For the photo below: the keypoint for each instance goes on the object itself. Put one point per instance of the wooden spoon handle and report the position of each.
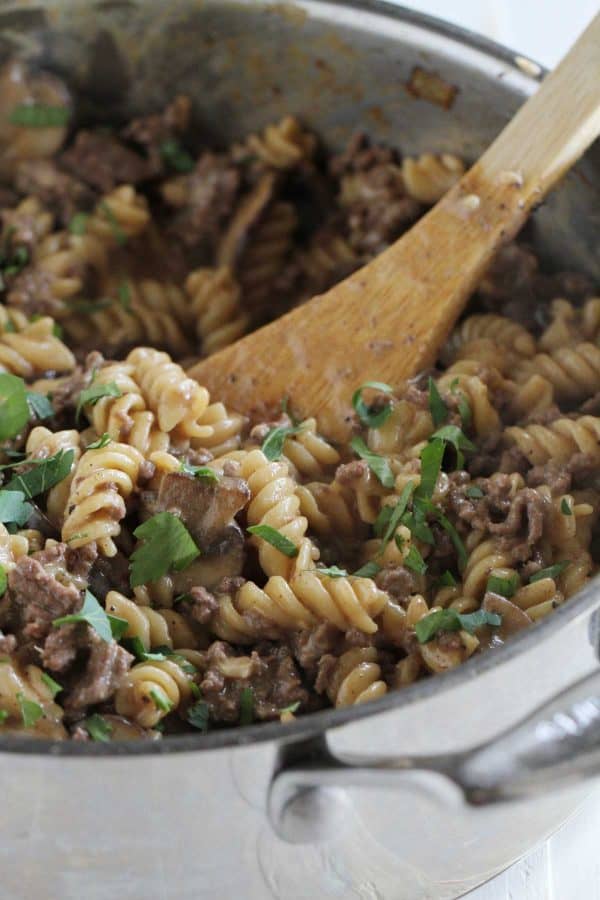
(388, 320)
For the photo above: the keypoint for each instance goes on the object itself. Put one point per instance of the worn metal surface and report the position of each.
(193, 824)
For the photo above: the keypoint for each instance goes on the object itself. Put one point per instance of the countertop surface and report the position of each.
(566, 867)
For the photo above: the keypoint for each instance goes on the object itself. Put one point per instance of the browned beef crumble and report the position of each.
(103, 162)
(60, 192)
(35, 598)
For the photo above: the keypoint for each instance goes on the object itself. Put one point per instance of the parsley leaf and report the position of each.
(30, 711)
(124, 295)
(331, 572)
(437, 407)
(13, 507)
(198, 716)
(118, 626)
(14, 409)
(275, 538)
(455, 538)
(565, 507)
(98, 728)
(176, 156)
(379, 465)
(397, 512)
(272, 445)
(92, 613)
(506, 587)
(158, 654)
(474, 492)
(3, 716)
(198, 471)
(38, 115)
(160, 699)
(39, 405)
(246, 706)
(447, 580)
(78, 224)
(3, 581)
(44, 474)
(551, 572)
(432, 455)
(118, 233)
(372, 417)
(95, 392)
(452, 434)
(101, 442)
(415, 561)
(167, 544)
(53, 686)
(451, 620)
(292, 708)
(369, 570)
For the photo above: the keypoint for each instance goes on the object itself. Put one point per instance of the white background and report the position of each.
(567, 867)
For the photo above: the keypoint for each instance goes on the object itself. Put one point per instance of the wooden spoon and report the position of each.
(388, 320)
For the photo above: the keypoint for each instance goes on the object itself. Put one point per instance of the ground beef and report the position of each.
(63, 645)
(60, 192)
(203, 201)
(496, 512)
(107, 664)
(347, 473)
(397, 581)
(273, 678)
(32, 292)
(109, 575)
(379, 209)
(34, 598)
(200, 606)
(556, 475)
(360, 155)
(8, 643)
(151, 132)
(309, 645)
(325, 671)
(511, 274)
(65, 397)
(102, 161)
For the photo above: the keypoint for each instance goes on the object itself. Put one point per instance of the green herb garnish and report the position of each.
(275, 538)
(118, 233)
(506, 587)
(292, 708)
(396, 514)
(14, 409)
(31, 712)
(474, 492)
(447, 580)
(166, 545)
(432, 455)
(437, 407)
(92, 614)
(198, 716)
(198, 471)
(160, 699)
(39, 405)
(124, 295)
(102, 441)
(90, 395)
(37, 115)
(44, 474)
(449, 528)
(14, 508)
(379, 465)
(246, 706)
(372, 417)
(565, 507)
(272, 445)
(3, 581)
(98, 728)
(551, 572)
(369, 570)
(415, 561)
(452, 434)
(331, 572)
(78, 224)
(176, 156)
(3, 716)
(53, 686)
(451, 620)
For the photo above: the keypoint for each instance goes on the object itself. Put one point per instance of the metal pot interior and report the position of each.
(340, 67)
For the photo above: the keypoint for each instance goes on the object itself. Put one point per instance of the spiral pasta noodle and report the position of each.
(154, 627)
(151, 690)
(283, 145)
(356, 678)
(33, 350)
(428, 177)
(559, 440)
(215, 301)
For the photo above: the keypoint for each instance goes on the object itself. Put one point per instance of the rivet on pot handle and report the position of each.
(556, 745)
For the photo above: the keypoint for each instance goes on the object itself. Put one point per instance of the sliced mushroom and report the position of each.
(224, 559)
(514, 619)
(206, 507)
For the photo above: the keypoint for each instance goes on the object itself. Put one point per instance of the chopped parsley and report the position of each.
(474, 492)
(118, 233)
(432, 455)
(565, 507)
(124, 295)
(272, 445)
(447, 579)
(118, 626)
(369, 570)
(90, 395)
(160, 699)
(198, 716)
(247, 706)
(14, 508)
(166, 545)
(14, 409)
(3, 716)
(551, 572)
(44, 474)
(38, 115)
(331, 572)
(292, 708)
(506, 587)
(53, 686)
(198, 471)
(437, 407)
(451, 620)
(39, 405)
(379, 465)
(415, 561)
(78, 224)
(387, 523)
(372, 416)
(98, 728)
(452, 434)
(92, 614)
(176, 156)
(158, 654)
(275, 538)
(3, 581)
(102, 441)
(31, 711)
(449, 528)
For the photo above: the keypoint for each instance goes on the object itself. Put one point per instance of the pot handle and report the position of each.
(556, 745)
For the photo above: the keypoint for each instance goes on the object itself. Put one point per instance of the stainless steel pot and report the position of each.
(407, 797)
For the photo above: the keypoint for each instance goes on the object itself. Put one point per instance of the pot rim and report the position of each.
(314, 724)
